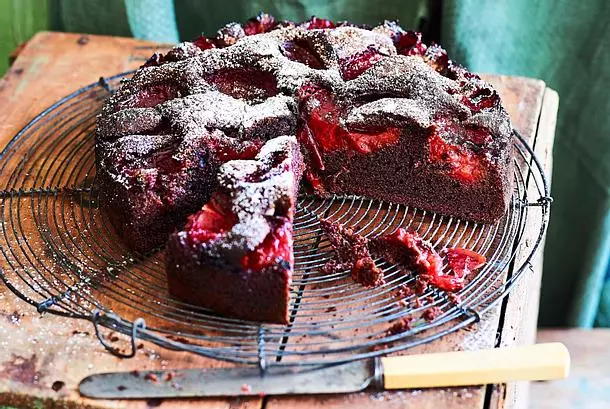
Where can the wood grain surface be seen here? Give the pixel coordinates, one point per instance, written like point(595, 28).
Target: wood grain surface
point(588, 386)
point(39, 354)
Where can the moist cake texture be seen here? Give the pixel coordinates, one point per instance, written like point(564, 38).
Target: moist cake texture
point(206, 145)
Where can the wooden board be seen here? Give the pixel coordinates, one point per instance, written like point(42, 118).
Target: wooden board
point(38, 352)
point(588, 386)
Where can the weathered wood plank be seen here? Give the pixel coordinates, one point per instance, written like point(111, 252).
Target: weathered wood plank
point(588, 386)
point(521, 306)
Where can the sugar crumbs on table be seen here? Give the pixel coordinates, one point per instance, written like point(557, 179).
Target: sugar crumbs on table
point(135, 373)
point(454, 298)
point(245, 388)
point(121, 387)
point(417, 303)
point(331, 309)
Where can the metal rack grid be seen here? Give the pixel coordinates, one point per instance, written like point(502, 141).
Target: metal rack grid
point(63, 257)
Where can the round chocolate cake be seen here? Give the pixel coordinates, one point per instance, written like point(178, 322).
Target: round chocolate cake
point(206, 146)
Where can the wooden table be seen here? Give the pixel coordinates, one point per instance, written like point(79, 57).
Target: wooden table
point(42, 358)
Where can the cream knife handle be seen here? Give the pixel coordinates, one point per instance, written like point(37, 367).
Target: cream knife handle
point(533, 362)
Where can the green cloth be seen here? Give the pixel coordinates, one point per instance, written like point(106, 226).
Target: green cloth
point(20, 20)
point(566, 44)
point(563, 42)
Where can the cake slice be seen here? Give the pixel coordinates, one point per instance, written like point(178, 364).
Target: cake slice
point(235, 256)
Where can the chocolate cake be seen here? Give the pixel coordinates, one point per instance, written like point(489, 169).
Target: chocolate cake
point(373, 112)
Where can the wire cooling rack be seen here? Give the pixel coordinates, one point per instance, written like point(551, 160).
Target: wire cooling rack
point(62, 256)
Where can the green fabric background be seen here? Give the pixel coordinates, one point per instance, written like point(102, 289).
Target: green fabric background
point(565, 43)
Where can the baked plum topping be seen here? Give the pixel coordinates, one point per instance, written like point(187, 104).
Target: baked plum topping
point(244, 150)
point(324, 128)
point(477, 134)
point(462, 163)
point(245, 83)
point(373, 140)
point(315, 181)
point(409, 43)
point(300, 51)
point(481, 98)
point(412, 252)
point(315, 23)
point(274, 249)
point(211, 222)
point(355, 64)
point(463, 261)
point(262, 23)
point(229, 34)
point(436, 57)
point(204, 43)
point(153, 95)
point(166, 162)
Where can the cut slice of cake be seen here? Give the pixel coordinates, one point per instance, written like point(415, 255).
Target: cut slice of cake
point(235, 256)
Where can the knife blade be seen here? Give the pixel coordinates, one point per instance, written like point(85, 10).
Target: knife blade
point(499, 365)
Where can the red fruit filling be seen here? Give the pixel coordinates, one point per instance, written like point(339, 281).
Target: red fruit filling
point(300, 51)
point(204, 43)
point(323, 131)
point(165, 161)
point(314, 181)
point(246, 150)
point(409, 43)
point(356, 64)
point(154, 95)
point(210, 223)
point(276, 248)
point(318, 23)
point(246, 83)
point(481, 98)
point(463, 164)
point(262, 23)
point(411, 250)
point(462, 261)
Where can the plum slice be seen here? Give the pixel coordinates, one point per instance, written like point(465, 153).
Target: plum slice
point(300, 50)
point(211, 222)
point(244, 83)
point(275, 248)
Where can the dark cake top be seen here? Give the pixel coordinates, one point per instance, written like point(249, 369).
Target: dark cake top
point(332, 86)
point(381, 76)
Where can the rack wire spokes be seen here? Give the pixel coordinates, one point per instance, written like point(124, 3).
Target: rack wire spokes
point(62, 256)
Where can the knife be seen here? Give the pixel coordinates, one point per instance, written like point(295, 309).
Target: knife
point(498, 365)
